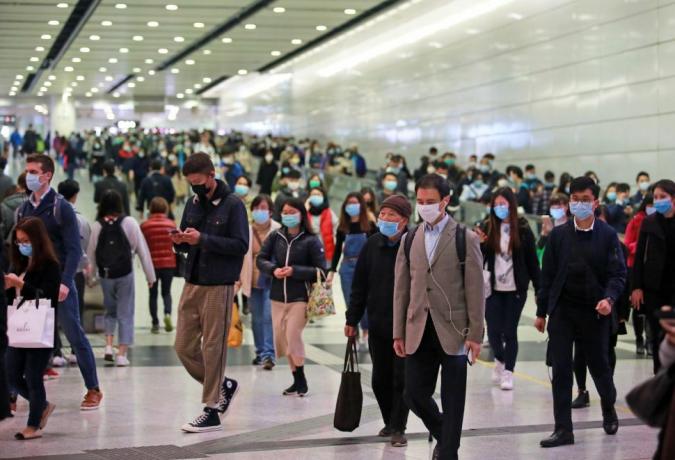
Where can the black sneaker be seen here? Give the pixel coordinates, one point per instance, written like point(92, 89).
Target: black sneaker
point(581, 401)
point(257, 361)
point(398, 439)
point(291, 391)
point(268, 364)
point(207, 421)
point(227, 392)
point(385, 432)
point(154, 329)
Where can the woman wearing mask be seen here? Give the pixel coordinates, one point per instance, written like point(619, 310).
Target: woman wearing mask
point(389, 185)
point(654, 264)
point(291, 256)
point(113, 229)
point(315, 181)
point(242, 188)
point(35, 274)
point(511, 259)
point(474, 190)
point(610, 194)
point(370, 198)
point(558, 214)
point(353, 231)
point(322, 220)
point(564, 184)
point(267, 171)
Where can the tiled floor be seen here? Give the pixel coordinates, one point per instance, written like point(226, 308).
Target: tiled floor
point(146, 404)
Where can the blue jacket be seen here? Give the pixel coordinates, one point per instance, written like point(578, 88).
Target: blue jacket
point(63, 229)
point(607, 263)
point(218, 257)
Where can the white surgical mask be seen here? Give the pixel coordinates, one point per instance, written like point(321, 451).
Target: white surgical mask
point(429, 212)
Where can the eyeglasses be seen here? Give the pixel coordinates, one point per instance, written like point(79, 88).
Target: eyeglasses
point(584, 202)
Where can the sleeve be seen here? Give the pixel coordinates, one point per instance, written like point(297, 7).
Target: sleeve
point(549, 266)
point(473, 287)
point(638, 265)
point(339, 240)
point(140, 201)
point(140, 247)
point(616, 270)
point(71, 240)
point(125, 198)
point(97, 192)
point(316, 259)
point(170, 189)
point(236, 242)
point(531, 259)
point(401, 290)
point(357, 301)
point(630, 238)
point(183, 247)
point(91, 248)
point(264, 259)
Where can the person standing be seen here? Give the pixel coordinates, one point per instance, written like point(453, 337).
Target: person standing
point(583, 276)
point(63, 229)
point(438, 314)
point(267, 171)
point(214, 233)
point(110, 181)
point(322, 220)
point(371, 292)
point(155, 184)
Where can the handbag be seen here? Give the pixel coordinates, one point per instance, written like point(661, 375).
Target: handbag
point(650, 400)
point(350, 397)
point(235, 336)
point(30, 323)
point(320, 302)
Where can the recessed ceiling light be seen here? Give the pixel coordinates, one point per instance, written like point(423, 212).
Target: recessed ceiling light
point(149, 61)
point(19, 77)
point(151, 72)
point(189, 62)
point(153, 24)
point(250, 26)
point(53, 22)
point(171, 7)
point(51, 77)
point(102, 69)
point(100, 85)
point(279, 9)
point(47, 83)
point(198, 25)
point(141, 79)
point(79, 78)
point(516, 16)
point(94, 90)
point(116, 94)
point(88, 94)
point(207, 52)
point(30, 68)
point(84, 49)
point(321, 27)
point(206, 80)
point(197, 86)
point(242, 71)
point(62, 5)
point(121, 6)
point(124, 50)
point(226, 40)
point(68, 69)
point(94, 38)
point(76, 60)
point(189, 91)
point(162, 51)
point(34, 59)
point(108, 78)
point(73, 84)
point(175, 70)
point(180, 95)
point(12, 93)
point(13, 88)
point(136, 69)
point(178, 39)
point(276, 53)
point(137, 38)
point(44, 89)
point(40, 94)
point(46, 37)
point(472, 31)
point(106, 23)
point(112, 60)
point(350, 11)
point(39, 48)
point(131, 85)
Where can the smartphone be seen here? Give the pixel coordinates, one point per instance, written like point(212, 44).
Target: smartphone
point(175, 231)
point(661, 314)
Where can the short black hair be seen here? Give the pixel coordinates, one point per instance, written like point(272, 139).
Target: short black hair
point(549, 175)
point(198, 163)
point(109, 168)
point(582, 183)
point(110, 204)
point(623, 187)
point(45, 161)
point(156, 165)
point(248, 180)
point(68, 188)
point(515, 169)
point(390, 174)
point(640, 174)
point(529, 167)
point(666, 185)
point(294, 174)
point(259, 199)
point(433, 149)
point(429, 181)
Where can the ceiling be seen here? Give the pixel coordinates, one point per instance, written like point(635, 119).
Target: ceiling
point(119, 39)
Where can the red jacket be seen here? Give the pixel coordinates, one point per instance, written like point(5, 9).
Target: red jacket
point(156, 232)
point(632, 236)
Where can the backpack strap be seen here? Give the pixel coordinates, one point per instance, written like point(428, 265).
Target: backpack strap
point(460, 242)
point(407, 245)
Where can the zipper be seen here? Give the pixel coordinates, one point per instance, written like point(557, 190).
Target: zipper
point(288, 254)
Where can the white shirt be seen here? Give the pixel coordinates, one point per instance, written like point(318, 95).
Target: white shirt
point(432, 235)
point(504, 279)
point(589, 229)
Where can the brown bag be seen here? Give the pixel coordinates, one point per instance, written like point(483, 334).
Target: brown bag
point(235, 336)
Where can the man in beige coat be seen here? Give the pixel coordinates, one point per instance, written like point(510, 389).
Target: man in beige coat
point(438, 314)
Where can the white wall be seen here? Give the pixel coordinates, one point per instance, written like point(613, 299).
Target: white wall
point(570, 85)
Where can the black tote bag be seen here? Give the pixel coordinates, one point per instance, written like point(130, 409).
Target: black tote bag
point(350, 397)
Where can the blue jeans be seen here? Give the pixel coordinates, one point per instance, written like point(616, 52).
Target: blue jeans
point(118, 299)
point(69, 319)
point(165, 276)
point(502, 315)
point(261, 323)
point(25, 367)
point(346, 278)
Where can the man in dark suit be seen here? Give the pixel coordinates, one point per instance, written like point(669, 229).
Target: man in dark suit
point(156, 184)
point(583, 276)
point(111, 182)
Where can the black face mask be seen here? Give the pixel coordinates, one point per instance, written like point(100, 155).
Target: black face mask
point(201, 190)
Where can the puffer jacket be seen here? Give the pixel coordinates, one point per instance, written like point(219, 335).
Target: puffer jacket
point(303, 252)
point(156, 232)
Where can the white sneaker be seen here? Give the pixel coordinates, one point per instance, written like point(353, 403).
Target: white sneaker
point(507, 381)
point(497, 372)
point(108, 354)
point(121, 361)
point(72, 360)
point(58, 361)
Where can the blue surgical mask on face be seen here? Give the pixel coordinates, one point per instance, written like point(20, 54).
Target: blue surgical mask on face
point(390, 185)
point(501, 211)
point(353, 209)
point(581, 210)
point(316, 200)
point(260, 216)
point(26, 249)
point(478, 183)
point(290, 220)
point(650, 210)
point(387, 228)
point(663, 206)
point(611, 196)
point(33, 182)
point(557, 213)
point(241, 190)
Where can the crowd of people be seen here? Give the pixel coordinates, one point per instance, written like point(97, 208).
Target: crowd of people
point(600, 251)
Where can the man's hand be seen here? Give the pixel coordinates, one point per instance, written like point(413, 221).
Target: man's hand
point(475, 350)
point(604, 307)
point(399, 348)
point(540, 324)
point(63, 292)
point(637, 298)
point(350, 331)
point(177, 237)
point(191, 236)
point(279, 273)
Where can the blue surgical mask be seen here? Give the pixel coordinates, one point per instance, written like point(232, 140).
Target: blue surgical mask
point(611, 196)
point(285, 170)
point(260, 216)
point(478, 183)
point(501, 211)
point(241, 190)
point(290, 220)
point(316, 200)
point(26, 249)
point(663, 206)
point(650, 210)
point(393, 169)
point(390, 185)
point(33, 182)
point(387, 228)
point(557, 213)
point(484, 168)
point(353, 209)
point(581, 210)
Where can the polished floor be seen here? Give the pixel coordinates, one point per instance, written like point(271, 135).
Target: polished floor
point(145, 405)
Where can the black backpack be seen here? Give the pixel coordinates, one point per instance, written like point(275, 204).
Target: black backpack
point(460, 243)
point(113, 251)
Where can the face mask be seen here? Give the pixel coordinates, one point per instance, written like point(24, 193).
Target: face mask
point(387, 228)
point(644, 186)
point(290, 220)
point(549, 185)
point(390, 185)
point(316, 200)
point(567, 189)
point(26, 249)
point(429, 212)
point(285, 170)
point(269, 158)
point(294, 185)
point(581, 210)
point(393, 170)
point(502, 183)
point(201, 190)
point(260, 216)
point(33, 182)
point(611, 196)
point(449, 161)
point(314, 183)
point(485, 168)
point(531, 176)
point(650, 210)
point(557, 213)
point(478, 183)
point(663, 206)
point(353, 209)
point(241, 190)
point(501, 211)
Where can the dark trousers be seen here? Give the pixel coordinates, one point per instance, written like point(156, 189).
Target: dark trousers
point(4, 388)
point(421, 373)
point(502, 314)
point(580, 361)
point(591, 332)
point(80, 285)
point(388, 382)
point(164, 276)
point(25, 367)
point(653, 303)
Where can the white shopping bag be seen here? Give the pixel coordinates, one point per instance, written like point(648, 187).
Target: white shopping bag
point(30, 323)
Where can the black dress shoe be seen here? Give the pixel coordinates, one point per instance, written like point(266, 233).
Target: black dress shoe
point(610, 422)
point(581, 401)
point(558, 438)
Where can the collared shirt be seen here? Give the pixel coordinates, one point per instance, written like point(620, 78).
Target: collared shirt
point(589, 229)
point(32, 198)
point(432, 235)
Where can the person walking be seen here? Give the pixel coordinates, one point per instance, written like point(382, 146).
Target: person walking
point(438, 313)
point(292, 256)
point(583, 276)
point(371, 292)
point(267, 171)
point(155, 184)
point(157, 232)
point(214, 233)
point(110, 181)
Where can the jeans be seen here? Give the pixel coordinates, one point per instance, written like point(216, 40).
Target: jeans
point(502, 314)
point(165, 276)
point(80, 285)
point(69, 319)
point(261, 323)
point(346, 271)
point(118, 299)
point(388, 382)
point(25, 367)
